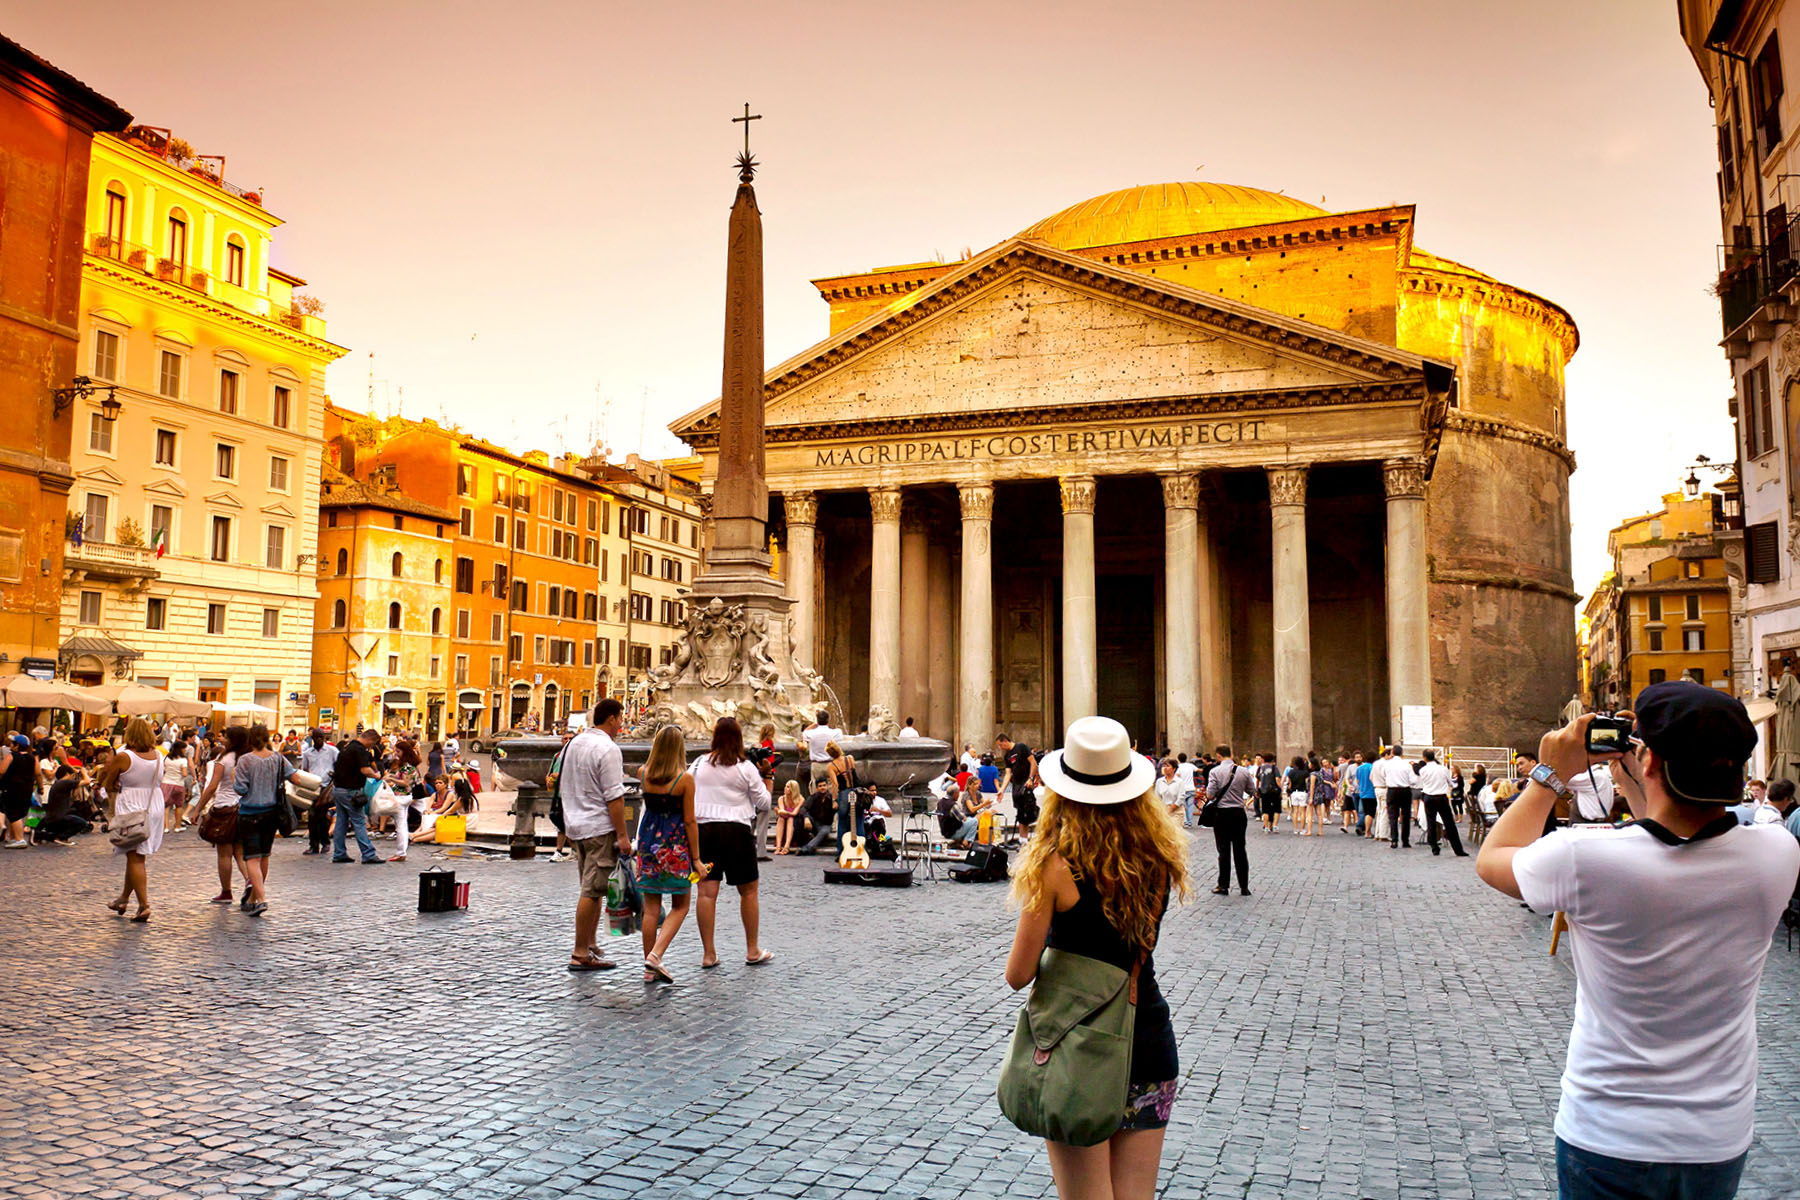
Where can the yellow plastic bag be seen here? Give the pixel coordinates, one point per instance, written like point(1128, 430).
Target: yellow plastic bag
point(452, 829)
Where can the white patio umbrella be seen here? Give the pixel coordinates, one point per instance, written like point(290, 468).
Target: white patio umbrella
point(142, 700)
point(256, 710)
point(22, 691)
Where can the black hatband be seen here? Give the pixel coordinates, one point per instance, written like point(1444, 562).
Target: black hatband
point(1118, 776)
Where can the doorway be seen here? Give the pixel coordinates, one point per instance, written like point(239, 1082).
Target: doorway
point(1126, 625)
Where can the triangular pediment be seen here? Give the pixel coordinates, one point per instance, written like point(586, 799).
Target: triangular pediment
point(100, 475)
point(1028, 328)
point(277, 510)
point(224, 500)
point(166, 487)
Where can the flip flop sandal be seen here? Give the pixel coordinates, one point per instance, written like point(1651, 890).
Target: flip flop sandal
point(657, 969)
point(763, 959)
point(591, 964)
point(708, 966)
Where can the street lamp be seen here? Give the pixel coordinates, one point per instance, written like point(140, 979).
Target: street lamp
point(1691, 485)
point(80, 388)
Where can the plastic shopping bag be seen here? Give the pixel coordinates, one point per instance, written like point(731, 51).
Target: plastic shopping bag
point(624, 906)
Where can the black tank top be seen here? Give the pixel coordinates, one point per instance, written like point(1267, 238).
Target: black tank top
point(1084, 930)
point(663, 804)
point(21, 774)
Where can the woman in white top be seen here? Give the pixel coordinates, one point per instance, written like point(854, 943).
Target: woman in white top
point(728, 793)
point(1170, 789)
point(134, 775)
point(178, 782)
point(220, 793)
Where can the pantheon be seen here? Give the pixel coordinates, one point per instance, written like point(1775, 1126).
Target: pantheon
point(1214, 461)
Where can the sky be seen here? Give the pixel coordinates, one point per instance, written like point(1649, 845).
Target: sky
point(515, 214)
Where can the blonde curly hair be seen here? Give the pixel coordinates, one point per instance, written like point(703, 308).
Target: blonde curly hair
point(1133, 854)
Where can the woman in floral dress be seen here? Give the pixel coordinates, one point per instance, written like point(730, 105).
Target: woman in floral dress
point(668, 847)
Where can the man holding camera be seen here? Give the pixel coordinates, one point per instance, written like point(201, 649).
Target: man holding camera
point(1670, 918)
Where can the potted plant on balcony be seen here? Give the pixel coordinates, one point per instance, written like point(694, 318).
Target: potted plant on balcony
point(254, 198)
point(136, 259)
point(197, 281)
point(130, 533)
point(167, 268)
point(103, 244)
point(180, 151)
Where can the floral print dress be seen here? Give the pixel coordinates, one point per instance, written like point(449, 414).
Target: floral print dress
point(664, 866)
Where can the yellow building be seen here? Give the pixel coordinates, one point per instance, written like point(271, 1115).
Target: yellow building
point(1665, 609)
point(196, 508)
point(654, 553)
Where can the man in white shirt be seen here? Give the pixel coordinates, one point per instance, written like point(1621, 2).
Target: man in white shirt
point(971, 761)
point(819, 735)
point(909, 731)
point(1434, 784)
point(1188, 775)
point(1670, 918)
point(592, 784)
point(452, 749)
point(1395, 774)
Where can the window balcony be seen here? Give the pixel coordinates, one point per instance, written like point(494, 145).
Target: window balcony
point(135, 566)
point(1751, 287)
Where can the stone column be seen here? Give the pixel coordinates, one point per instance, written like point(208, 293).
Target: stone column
point(1181, 610)
point(975, 666)
point(940, 720)
point(802, 565)
point(1408, 621)
point(1212, 627)
point(1293, 631)
point(884, 601)
point(1080, 638)
point(915, 638)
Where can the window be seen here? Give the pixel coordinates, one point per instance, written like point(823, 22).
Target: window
point(603, 651)
point(1655, 640)
point(343, 561)
point(1758, 412)
point(494, 670)
point(1693, 604)
point(212, 690)
point(394, 616)
point(465, 576)
point(99, 434)
point(229, 382)
point(234, 263)
point(1762, 553)
point(437, 621)
point(399, 521)
point(1693, 639)
point(1658, 675)
point(518, 535)
point(590, 607)
point(1765, 96)
point(515, 648)
point(465, 524)
point(555, 605)
point(221, 539)
point(156, 613)
point(393, 664)
point(278, 473)
point(168, 374)
point(642, 607)
point(339, 614)
point(437, 666)
point(90, 608)
point(271, 623)
point(215, 618)
point(521, 596)
point(165, 447)
point(1697, 674)
point(93, 517)
point(499, 531)
point(537, 649)
point(1656, 608)
point(225, 461)
point(162, 527)
point(275, 548)
point(178, 238)
point(500, 492)
point(115, 220)
point(499, 588)
point(556, 504)
point(464, 484)
point(398, 565)
point(281, 408)
point(494, 624)
point(462, 623)
point(593, 515)
point(106, 355)
point(462, 669)
point(266, 692)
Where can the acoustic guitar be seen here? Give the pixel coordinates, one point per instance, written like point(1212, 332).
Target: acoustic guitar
point(855, 854)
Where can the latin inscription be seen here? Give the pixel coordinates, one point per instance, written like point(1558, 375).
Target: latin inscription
point(1071, 444)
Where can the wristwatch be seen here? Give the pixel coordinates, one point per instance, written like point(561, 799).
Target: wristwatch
point(1543, 774)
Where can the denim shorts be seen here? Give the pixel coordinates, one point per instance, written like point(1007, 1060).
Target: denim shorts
point(1585, 1175)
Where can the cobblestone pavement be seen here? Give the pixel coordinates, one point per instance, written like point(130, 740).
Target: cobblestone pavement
point(1371, 1023)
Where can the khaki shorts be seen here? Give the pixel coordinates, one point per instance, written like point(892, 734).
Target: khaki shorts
point(595, 858)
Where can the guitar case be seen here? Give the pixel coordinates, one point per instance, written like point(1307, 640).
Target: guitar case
point(888, 875)
point(985, 864)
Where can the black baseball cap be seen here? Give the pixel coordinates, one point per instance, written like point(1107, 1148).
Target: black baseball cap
point(1703, 735)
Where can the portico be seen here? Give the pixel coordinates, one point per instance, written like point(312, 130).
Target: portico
point(1072, 489)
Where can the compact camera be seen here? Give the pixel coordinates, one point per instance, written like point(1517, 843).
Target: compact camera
point(1609, 735)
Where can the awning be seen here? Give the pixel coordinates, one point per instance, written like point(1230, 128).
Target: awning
point(1760, 709)
point(469, 699)
point(100, 647)
point(397, 698)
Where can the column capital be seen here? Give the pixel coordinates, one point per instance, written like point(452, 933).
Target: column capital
point(1077, 493)
point(1181, 489)
point(802, 507)
point(1403, 478)
point(977, 500)
point(1287, 486)
point(884, 504)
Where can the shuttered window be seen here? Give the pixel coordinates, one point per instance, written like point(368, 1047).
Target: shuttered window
point(1762, 552)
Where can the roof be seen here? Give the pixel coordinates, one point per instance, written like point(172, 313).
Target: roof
point(52, 82)
point(354, 493)
point(99, 646)
point(1161, 210)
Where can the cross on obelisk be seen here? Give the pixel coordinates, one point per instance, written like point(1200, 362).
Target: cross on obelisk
point(745, 122)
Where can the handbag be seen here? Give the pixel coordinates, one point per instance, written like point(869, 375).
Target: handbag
point(1209, 813)
point(1068, 1071)
point(219, 827)
point(131, 830)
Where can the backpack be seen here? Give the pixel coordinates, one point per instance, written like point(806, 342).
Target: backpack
point(1267, 779)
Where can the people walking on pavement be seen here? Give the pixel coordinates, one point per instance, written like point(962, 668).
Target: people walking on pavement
point(178, 783)
point(1095, 883)
point(1296, 782)
point(1434, 785)
point(668, 846)
point(1168, 788)
point(728, 792)
point(134, 776)
point(592, 784)
point(350, 776)
point(1228, 790)
point(18, 787)
point(220, 793)
point(260, 779)
point(1268, 792)
point(318, 758)
point(1364, 776)
point(1324, 790)
point(1395, 774)
point(1022, 780)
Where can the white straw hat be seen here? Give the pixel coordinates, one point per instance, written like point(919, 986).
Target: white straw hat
point(1097, 765)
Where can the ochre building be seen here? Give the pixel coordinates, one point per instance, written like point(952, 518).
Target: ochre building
point(1211, 460)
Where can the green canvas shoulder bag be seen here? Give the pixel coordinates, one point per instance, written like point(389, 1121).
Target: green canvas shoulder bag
point(1068, 1070)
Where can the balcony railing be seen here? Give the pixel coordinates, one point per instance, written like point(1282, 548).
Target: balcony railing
point(1757, 273)
point(169, 270)
point(110, 560)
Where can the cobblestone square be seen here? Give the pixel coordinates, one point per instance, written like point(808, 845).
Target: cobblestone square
point(1371, 1023)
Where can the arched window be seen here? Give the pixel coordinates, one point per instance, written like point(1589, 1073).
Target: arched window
point(437, 620)
point(343, 562)
point(115, 220)
point(394, 616)
point(234, 260)
point(337, 613)
point(399, 563)
point(177, 248)
point(437, 571)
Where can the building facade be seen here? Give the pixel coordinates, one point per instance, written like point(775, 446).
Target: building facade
point(1667, 608)
point(48, 120)
point(193, 516)
point(1204, 458)
point(655, 552)
point(1741, 51)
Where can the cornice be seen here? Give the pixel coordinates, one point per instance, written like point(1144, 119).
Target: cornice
point(1423, 278)
point(1495, 579)
point(706, 436)
point(1496, 427)
point(318, 347)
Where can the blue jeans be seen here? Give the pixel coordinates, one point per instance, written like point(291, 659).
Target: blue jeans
point(353, 813)
point(1584, 1175)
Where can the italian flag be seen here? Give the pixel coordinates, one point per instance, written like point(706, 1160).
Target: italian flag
point(160, 542)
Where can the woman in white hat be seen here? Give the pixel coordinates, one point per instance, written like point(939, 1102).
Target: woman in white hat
point(1095, 881)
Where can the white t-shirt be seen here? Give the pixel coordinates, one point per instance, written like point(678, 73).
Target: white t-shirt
point(1593, 793)
point(1186, 772)
point(909, 732)
point(1668, 944)
point(452, 747)
point(1434, 779)
point(817, 738)
point(1392, 773)
point(971, 761)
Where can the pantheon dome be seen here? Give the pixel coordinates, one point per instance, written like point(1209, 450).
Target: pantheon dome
point(1162, 210)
